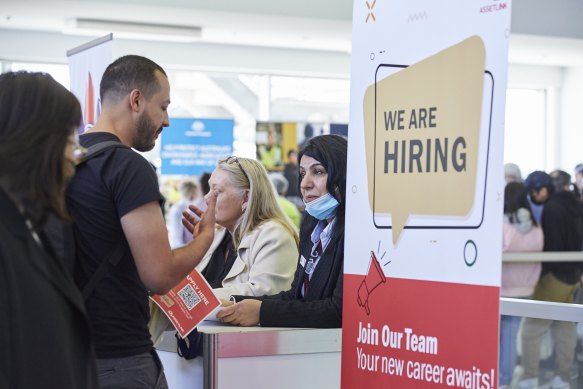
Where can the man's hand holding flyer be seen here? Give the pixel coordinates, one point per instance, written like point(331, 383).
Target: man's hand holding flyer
point(188, 303)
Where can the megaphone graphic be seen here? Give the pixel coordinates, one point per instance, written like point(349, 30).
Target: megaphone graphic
point(374, 278)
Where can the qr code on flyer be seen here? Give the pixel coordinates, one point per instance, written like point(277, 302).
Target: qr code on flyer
point(189, 296)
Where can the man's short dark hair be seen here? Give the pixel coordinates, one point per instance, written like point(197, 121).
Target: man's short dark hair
point(561, 180)
point(128, 73)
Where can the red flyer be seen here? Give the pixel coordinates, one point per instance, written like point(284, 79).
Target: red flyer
point(188, 303)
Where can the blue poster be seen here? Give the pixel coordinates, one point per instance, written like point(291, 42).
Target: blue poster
point(193, 146)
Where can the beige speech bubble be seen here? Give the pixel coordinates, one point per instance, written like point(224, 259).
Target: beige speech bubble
point(423, 158)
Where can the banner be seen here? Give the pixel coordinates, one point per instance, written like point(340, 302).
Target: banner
point(193, 146)
point(86, 66)
point(424, 224)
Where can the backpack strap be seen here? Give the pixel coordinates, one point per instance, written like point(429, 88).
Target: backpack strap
point(118, 251)
point(113, 259)
point(100, 147)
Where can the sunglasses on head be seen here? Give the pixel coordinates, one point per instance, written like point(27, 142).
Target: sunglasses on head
point(230, 159)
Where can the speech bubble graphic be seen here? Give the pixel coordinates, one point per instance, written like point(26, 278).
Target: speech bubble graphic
point(422, 136)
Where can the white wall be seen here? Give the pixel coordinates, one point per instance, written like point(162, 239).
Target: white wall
point(571, 134)
point(564, 85)
point(31, 46)
point(533, 76)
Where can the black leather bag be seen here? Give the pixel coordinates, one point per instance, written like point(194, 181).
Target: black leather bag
point(191, 346)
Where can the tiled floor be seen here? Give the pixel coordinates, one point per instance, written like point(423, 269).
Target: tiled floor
point(547, 372)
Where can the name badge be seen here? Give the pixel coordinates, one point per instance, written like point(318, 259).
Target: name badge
point(302, 261)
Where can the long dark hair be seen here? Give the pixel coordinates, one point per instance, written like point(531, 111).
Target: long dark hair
point(37, 116)
point(515, 197)
point(330, 151)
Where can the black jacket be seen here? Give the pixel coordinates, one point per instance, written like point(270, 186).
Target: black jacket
point(562, 223)
point(44, 330)
point(322, 307)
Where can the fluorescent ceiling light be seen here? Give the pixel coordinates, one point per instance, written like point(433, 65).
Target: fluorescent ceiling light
point(133, 30)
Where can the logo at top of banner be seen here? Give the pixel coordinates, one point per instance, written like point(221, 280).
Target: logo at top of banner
point(198, 129)
point(370, 15)
point(197, 125)
point(497, 6)
point(422, 137)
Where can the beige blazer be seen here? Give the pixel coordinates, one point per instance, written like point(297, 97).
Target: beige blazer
point(265, 264)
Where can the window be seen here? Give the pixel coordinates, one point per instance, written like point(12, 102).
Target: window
point(525, 129)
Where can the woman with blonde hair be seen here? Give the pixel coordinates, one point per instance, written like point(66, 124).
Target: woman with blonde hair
point(255, 248)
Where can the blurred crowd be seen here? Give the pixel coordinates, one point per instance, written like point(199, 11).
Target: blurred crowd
point(542, 212)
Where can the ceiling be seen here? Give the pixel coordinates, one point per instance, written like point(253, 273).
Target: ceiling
point(543, 32)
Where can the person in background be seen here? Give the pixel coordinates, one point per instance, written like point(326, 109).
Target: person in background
point(291, 172)
point(45, 335)
point(270, 154)
point(205, 189)
point(562, 223)
point(579, 181)
point(179, 236)
point(579, 295)
point(315, 297)
point(522, 234)
point(512, 173)
point(116, 203)
point(281, 185)
point(309, 133)
point(170, 191)
point(561, 181)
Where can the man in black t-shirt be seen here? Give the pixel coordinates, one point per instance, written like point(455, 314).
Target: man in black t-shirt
point(115, 200)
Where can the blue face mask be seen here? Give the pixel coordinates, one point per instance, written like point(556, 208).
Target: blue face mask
point(323, 207)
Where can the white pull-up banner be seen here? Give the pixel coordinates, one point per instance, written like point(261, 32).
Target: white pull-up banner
point(86, 66)
point(425, 194)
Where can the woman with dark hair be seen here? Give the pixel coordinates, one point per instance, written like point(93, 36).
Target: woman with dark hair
point(520, 233)
point(315, 297)
point(44, 330)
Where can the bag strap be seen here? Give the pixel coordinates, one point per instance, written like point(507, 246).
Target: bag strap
point(118, 251)
point(114, 259)
point(100, 147)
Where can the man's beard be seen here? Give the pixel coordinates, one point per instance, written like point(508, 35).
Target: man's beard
point(146, 130)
